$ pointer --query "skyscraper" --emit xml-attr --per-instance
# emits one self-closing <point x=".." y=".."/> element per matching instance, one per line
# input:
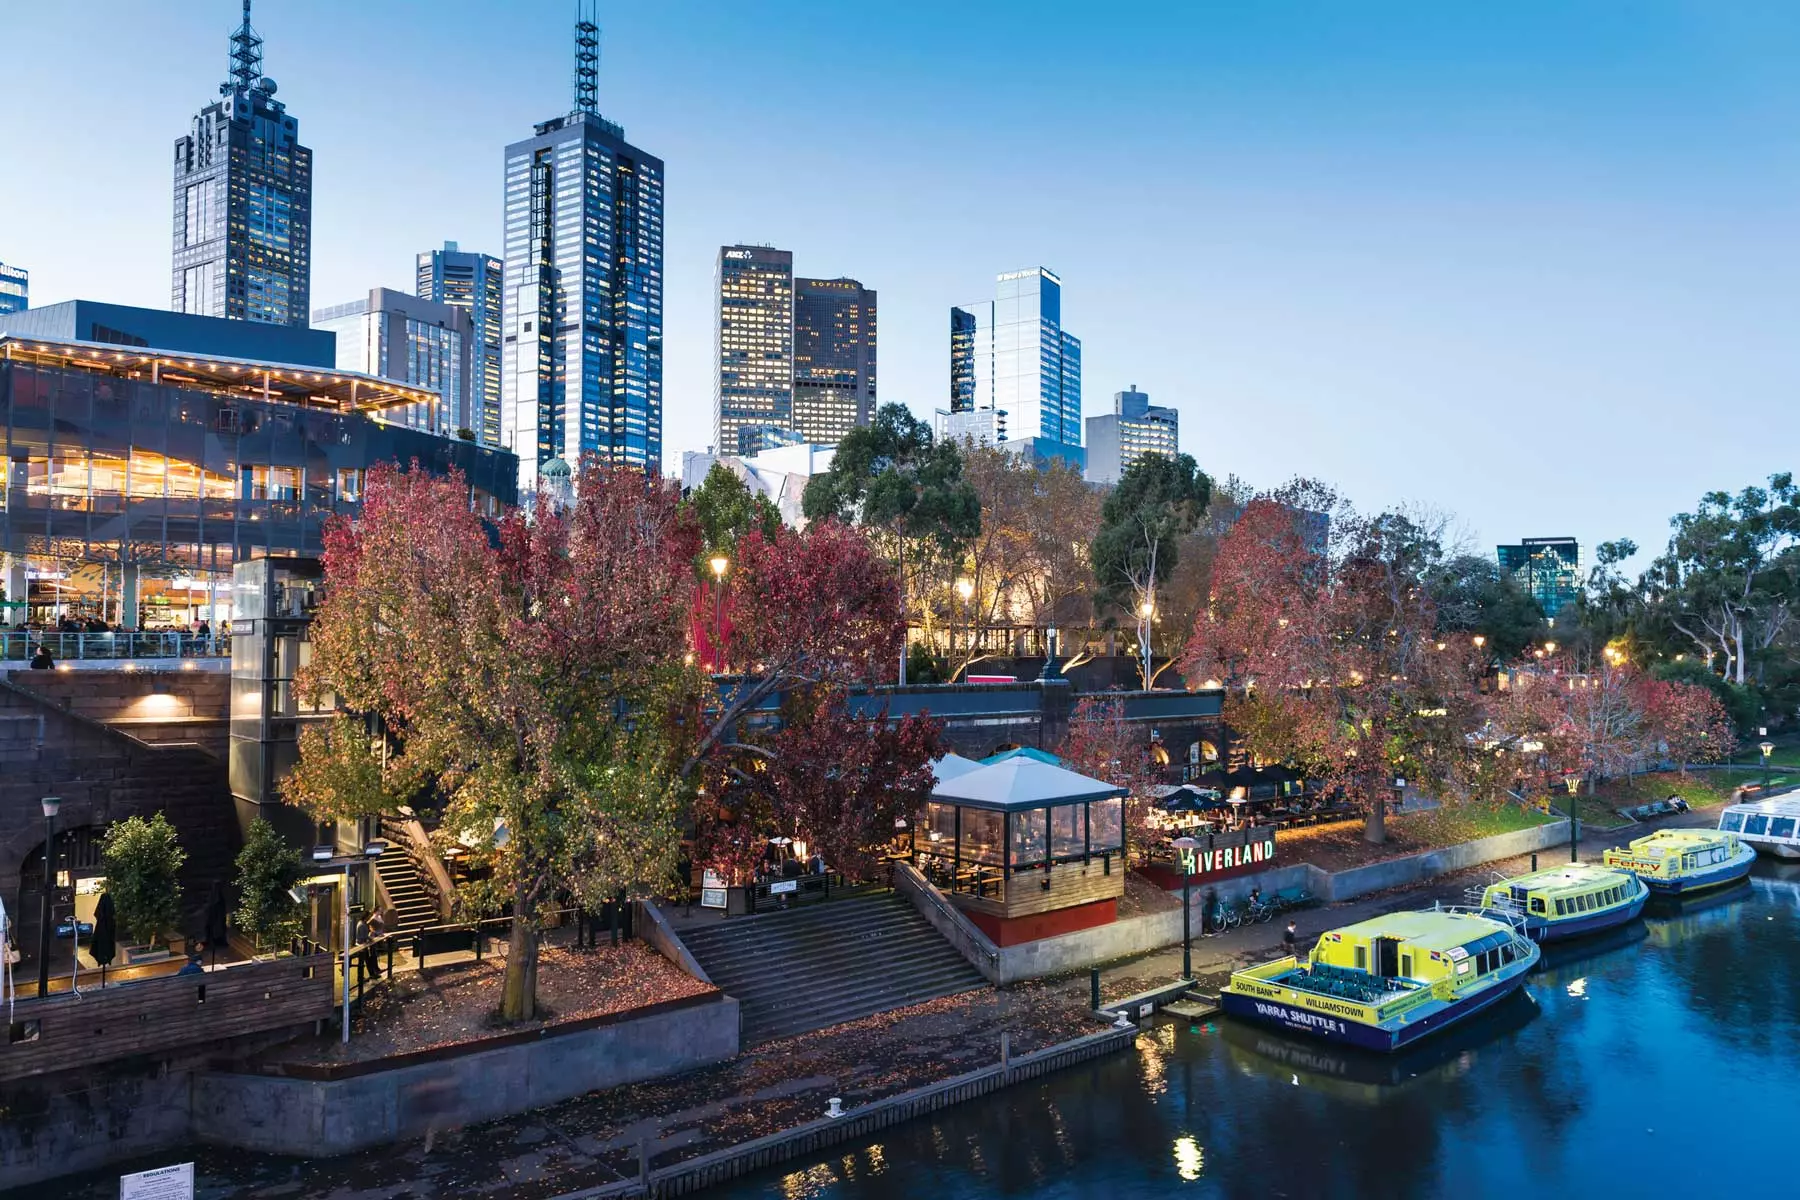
<point x="753" y="346"/>
<point x="1015" y="373"/>
<point x="1135" y="427"/>
<point x="471" y="282"/>
<point x="834" y="358"/>
<point x="581" y="339"/>
<point x="1548" y="568"/>
<point x="400" y="337"/>
<point x="15" y="289"/>
<point x="243" y="202"/>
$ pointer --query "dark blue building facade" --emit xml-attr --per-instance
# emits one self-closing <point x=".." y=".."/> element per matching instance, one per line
<point x="123" y="325"/>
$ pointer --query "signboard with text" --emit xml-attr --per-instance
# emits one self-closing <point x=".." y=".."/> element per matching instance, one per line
<point x="164" y="1183"/>
<point x="1222" y="854"/>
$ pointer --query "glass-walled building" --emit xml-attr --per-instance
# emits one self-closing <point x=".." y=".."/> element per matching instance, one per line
<point x="834" y="359"/>
<point x="470" y="281"/>
<point x="181" y="465"/>
<point x="409" y="340"/>
<point x="1015" y="372"/>
<point x="15" y="289"/>
<point x="1548" y="568"/>
<point x="753" y="346"/>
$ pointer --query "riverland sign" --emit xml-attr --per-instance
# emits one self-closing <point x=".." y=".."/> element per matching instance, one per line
<point x="1224" y="854"/>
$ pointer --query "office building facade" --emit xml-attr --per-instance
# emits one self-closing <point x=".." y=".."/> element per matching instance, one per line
<point x="15" y="289"/>
<point x="121" y="325"/>
<point x="581" y="349"/>
<point x="472" y="282"/>
<point x="400" y="337"/>
<point x="753" y="346"/>
<point x="1133" y="429"/>
<point x="1548" y="568"/>
<point x="243" y="202"/>
<point x="834" y="359"/>
<point x="1015" y="372"/>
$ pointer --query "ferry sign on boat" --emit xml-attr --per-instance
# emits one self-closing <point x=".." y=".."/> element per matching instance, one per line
<point x="1771" y="826"/>
<point x="1568" y="901"/>
<point x="1386" y="982"/>
<point x="1677" y="862"/>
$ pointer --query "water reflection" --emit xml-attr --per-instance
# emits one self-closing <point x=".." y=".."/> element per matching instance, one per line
<point x="1632" y="1046"/>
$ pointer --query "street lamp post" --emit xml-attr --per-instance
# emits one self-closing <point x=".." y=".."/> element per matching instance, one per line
<point x="325" y="856"/>
<point x="1185" y="847"/>
<point x="51" y="804"/>
<point x="1574" y="785"/>
<point x="720" y="564"/>
<point x="1146" y="614"/>
<point x="1767" y="749"/>
<point x="965" y="588"/>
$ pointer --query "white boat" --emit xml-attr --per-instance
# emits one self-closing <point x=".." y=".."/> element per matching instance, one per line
<point x="1772" y="826"/>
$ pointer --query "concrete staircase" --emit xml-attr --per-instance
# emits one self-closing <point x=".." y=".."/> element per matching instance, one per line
<point x="411" y="901"/>
<point x="827" y="963"/>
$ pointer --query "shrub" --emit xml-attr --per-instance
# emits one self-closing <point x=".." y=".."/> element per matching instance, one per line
<point x="142" y="860"/>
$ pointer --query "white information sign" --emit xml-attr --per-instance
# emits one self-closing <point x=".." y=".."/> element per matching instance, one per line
<point x="784" y="887"/>
<point x="712" y="897"/>
<point x="164" y="1183"/>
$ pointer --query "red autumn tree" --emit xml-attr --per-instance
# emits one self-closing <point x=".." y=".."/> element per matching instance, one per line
<point x="1102" y="745"/>
<point x="1331" y="657"/>
<point x="1689" y="721"/>
<point x="529" y="681"/>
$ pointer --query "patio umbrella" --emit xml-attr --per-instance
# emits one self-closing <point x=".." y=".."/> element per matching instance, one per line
<point x="105" y="943"/>
<point x="216" y="929"/>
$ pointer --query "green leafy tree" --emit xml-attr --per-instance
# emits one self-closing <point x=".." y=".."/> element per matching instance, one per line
<point x="725" y="509"/>
<point x="1134" y="552"/>
<point x="908" y="491"/>
<point x="1475" y="598"/>
<point x="143" y="859"/>
<point x="267" y="870"/>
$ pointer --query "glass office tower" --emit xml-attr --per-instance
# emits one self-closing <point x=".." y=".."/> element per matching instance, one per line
<point x="409" y="340"/>
<point x="470" y="281"/>
<point x="581" y="336"/>
<point x="834" y="358"/>
<point x="1015" y="373"/>
<point x="753" y="346"/>
<point x="15" y="289"/>
<point x="243" y="202"/>
<point x="1548" y="568"/>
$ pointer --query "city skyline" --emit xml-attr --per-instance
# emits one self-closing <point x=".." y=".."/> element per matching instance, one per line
<point x="1397" y="231"/>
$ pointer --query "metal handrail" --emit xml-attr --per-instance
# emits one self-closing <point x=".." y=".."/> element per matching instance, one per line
<point x="19" y="645"/>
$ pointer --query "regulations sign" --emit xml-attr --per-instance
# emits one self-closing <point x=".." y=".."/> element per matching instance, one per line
<point x="164" y="1183"/>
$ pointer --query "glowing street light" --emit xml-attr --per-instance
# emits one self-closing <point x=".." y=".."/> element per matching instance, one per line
<point x="720" y="564"/>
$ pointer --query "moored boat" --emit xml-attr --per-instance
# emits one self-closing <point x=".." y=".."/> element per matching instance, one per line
<point x="1386" y="982"/>
<point x="1771" y="826"/>
<point x="1678" y="862"/>
<point x="1567" y="901"/>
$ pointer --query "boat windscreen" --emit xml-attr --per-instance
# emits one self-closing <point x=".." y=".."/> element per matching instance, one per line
<point x="1733" y="821"/>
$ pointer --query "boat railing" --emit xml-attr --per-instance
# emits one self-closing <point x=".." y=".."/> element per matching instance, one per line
<point x="1510" y="914"/>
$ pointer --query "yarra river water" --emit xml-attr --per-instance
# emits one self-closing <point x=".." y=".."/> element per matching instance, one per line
<point x="1661" y="1060"/>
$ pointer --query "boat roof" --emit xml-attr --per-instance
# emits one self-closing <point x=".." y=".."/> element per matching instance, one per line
<point x="1694" y="838"/>
<point x="1432" y="930"/>
<point x="1570" y="875"/>
<point x="1787" y="806"/>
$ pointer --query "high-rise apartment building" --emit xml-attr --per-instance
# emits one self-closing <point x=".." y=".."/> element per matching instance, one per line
<point x="753" y="346"/>
<point x="1015" y="373"/>
<point x="15" y="289"/>
<point x="472" y="282"/>
<point x="1135" y="427"/>
<point x="581" y="336"/>
<point x="400" y="337"/>
<point x="834" y="359"/>
<point x="1548" y="568"/>
<point x="243" y="202"/>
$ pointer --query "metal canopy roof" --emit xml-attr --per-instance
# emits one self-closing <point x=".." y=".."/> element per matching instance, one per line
<point x="310" y="387"/>
<point x="952" y="766"/>
<point x="1022" y="782"/>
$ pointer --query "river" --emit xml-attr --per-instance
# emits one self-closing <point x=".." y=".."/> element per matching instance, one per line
<point x="1662" y="1060"/>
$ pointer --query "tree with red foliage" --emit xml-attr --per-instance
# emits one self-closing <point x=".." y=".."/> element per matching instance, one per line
<point x="1689" y="721"/>
<point x="532" y="683"/>
<point x="1102" y="745"/>
<point x="1331" y="658"/>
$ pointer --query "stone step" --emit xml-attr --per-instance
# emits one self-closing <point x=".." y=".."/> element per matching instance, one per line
<point x="824" y="956"/>
<point x="783" y="979"/>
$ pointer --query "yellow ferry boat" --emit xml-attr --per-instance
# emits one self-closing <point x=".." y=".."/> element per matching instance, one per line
<point x="1677" y="862"/>
<point x="1567" y="901"/>
<point x="1386" y="982"/>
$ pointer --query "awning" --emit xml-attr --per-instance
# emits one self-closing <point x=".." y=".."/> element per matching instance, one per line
<point x="1022" y="782"/>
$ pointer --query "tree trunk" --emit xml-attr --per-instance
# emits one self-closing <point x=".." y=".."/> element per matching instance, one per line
<point x="1375" y="828"/>
<point x="518" y="999"/>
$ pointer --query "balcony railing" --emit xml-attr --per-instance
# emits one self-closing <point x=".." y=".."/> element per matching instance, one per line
<point x="18" y="646"/>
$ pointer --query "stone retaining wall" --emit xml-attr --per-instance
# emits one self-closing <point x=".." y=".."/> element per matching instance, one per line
<point x="314" y="1118"/>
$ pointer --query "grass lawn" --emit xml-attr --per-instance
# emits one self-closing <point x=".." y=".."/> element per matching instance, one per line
<point x="1699" y="788"/>
<point x="1340" y="845"/>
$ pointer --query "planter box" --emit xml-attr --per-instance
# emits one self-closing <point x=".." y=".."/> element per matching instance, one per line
<point x="137" y="956"/>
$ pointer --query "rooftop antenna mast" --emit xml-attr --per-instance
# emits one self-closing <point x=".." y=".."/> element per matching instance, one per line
<point x="246" y="56"/>
<point x="587" y="56"/>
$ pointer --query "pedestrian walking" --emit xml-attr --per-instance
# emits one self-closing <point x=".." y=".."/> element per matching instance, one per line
<point x="1289" y="939"/>
<point x="368" y="933"/>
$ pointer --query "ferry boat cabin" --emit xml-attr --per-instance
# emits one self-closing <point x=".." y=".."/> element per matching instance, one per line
<point x="1568" y="901"/>
<point x="1772" y="826"/>
<point x="1679" y="861"/>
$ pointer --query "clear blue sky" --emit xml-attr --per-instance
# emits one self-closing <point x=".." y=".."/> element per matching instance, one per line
<point x="1534" y="262"/>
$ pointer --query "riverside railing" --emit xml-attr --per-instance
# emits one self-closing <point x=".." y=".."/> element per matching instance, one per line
<point x="17" y="645"/>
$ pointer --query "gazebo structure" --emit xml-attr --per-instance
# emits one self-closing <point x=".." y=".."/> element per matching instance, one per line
<point x="1025" y="847"/>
